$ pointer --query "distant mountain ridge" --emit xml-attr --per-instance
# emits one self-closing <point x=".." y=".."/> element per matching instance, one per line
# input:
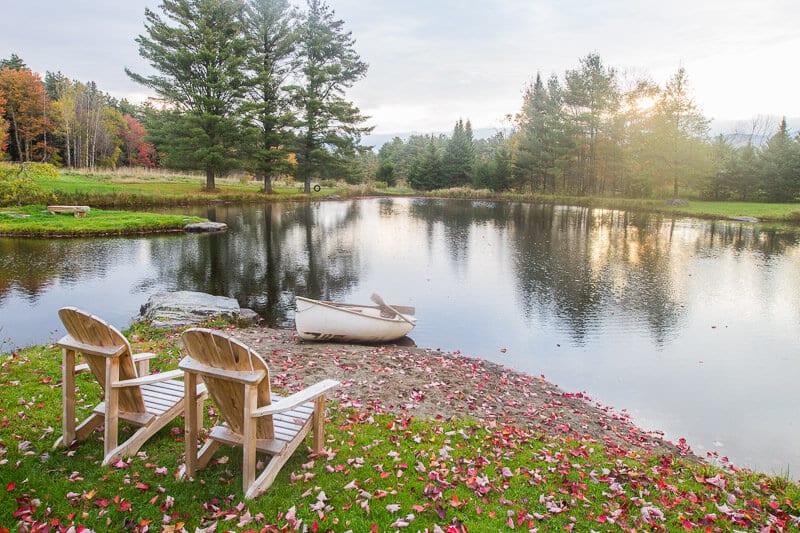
<point x="758" y="129"/>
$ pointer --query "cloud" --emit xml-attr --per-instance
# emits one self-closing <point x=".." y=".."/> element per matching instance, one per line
<point x="435" y="61"/>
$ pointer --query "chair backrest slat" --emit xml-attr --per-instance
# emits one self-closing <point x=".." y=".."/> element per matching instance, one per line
<point x="215" y="349"/>
<point x="89" y="329"/>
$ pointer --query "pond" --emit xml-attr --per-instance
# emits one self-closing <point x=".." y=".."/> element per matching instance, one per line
<point x="691" y="327"/>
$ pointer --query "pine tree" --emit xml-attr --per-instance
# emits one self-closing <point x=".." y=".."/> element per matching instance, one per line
<point x="459" y="156"/>
<point x="329" y="125"/>
<point x="425" y="172"/>
<point x="779" y="171"/>
<point x="271" y="27"/>
<point x="199" y="52"/>
<point x="681" y="132"/>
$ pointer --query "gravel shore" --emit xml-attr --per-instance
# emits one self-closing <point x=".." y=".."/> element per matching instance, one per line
<point x="424" y="383"/>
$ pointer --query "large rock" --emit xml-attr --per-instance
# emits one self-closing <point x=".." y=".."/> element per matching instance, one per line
<point x="168" y="310"/>
<point x="205" y="227"/>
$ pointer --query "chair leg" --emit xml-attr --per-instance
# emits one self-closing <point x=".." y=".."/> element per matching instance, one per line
<point x="319" y="424"/>
<point x="268" y="475"/>
<point x="67" y="397"/>
<point x="249" y="437"/>
<point x="87" y="426"/>
<point x="190" y="422"/>
<point x="206" y="453"/>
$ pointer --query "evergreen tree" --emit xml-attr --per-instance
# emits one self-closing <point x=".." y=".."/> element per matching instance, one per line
<point x="459" y="156"/>
<point x="199" y="52"/>
<point x="779" y="171"/>
<point x="272" y="34"/>
<point x="329" y="125"/>
<point x="14" y="63"/>
<point x="542" y="143"/>
<point x="425" y="172"/>
<point x="532" y="158"/>
<point x="592" y="96"/>
<point x="681" y="132"/>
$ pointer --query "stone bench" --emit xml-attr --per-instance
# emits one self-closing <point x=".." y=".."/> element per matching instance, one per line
<point x="78" y="210"/>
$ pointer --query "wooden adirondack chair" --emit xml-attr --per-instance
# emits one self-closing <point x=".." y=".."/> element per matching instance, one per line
<point x="255" y="419"/>
<point x="147" y="401"/>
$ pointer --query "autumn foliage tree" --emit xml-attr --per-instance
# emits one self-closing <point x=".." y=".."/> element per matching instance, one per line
<point x="26" y="110"/>
<point x="137" y="151"/>
<point x="3" y="126"/>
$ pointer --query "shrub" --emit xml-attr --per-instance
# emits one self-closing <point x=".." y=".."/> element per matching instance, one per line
<point x="18" y="187"/>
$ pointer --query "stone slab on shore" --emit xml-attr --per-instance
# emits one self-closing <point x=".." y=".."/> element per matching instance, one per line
<point x="205" y="227"/>
<point x="169" y="310"/>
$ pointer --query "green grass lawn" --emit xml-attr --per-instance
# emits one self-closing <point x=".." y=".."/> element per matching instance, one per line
<point x="380" y="472"/>
<point x="36" y="221"/>
<point x="762" y="211"/>
<point x="124" y="190"/>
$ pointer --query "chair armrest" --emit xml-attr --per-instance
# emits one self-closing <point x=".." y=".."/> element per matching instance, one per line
<point x="106" y="351"/>
<point x="142" y="362"/>
<point x="146" y="380"/>
<point x="143" y="356"/>
<point x="83" y="367"/>
<point x="298" y="398"/>
<point x="252" y="377"/>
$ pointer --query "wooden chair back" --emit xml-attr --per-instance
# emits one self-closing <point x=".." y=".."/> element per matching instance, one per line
<point x="93" y="331"/>
<point x="223" y="353"/>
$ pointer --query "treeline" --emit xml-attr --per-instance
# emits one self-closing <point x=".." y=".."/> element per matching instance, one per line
<point x="593" y="132"/>
<point x="259" y="85"/>
<point x="242" y="84"/>
<point x="66" y="122"/>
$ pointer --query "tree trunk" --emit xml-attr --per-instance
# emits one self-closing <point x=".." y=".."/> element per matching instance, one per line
<point x="267" y="184"/>
<point x="210" y="180"/>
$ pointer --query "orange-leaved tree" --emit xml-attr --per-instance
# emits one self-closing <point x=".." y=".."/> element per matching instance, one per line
<point x="27" y="112"/>
<point x="3" y="126"/>
<point x="138" y="152"/>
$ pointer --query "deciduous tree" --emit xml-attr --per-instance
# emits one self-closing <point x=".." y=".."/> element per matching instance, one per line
<point x="137" y="150"/>
<point x="26" y="112"/>
<point x="3" y="126"/>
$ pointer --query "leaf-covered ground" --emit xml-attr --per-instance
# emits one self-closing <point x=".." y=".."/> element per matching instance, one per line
<point x="417" y="440"/>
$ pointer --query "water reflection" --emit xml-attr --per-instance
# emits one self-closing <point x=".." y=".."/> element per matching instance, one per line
<point x="671" y="318"/>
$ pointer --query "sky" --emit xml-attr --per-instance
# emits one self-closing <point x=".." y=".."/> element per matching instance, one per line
<point x="433" y="62"/>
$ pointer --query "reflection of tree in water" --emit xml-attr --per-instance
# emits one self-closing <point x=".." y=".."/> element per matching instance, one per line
<point x="584" y="265"/>
<point x="31" y="266"/>
<point x="269" y="254"/>
<point x="771" y="242"/>
<point x="457" y="218"/>
<point x="580" y="265"/>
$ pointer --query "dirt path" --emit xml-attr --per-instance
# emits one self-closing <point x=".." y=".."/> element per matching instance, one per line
<point x="429" y="383"/>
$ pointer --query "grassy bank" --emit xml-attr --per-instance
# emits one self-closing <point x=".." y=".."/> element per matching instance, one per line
<point x="127" y="188"/>
<point x="122" y="189"/>
<point x="381" y="472"/>
<point x="36" y="221"/>
<point x="768" y="212"/>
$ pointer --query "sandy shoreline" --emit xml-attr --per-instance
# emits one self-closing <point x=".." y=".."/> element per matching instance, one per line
<point x="425" y="383"/>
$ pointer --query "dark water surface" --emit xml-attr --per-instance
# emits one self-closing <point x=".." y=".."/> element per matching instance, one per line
<point x="691" y="326"/>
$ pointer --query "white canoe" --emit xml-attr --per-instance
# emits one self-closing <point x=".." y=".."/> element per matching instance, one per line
<point x="330" y="321"/>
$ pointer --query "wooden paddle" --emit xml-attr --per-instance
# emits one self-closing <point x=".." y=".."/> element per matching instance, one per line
<point x="378" y="300"/>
